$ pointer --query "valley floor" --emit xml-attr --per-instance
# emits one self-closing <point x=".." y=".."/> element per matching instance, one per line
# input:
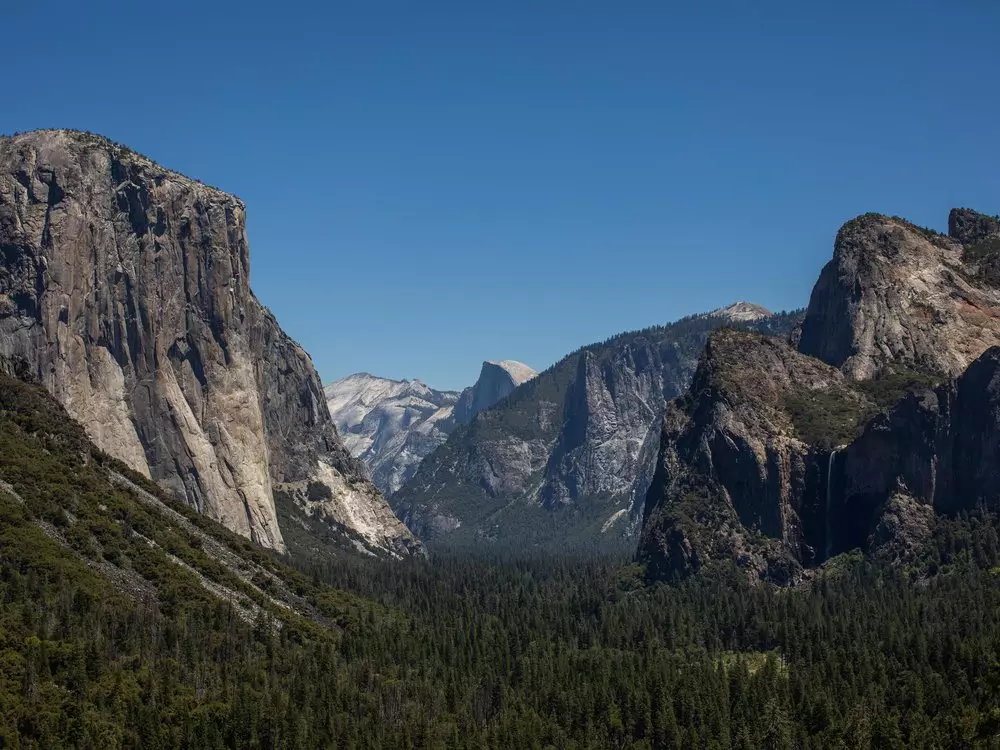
<point x="470" y="652"/>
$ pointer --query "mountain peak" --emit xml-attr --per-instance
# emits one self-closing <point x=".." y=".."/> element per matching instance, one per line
<point x="518" y="371"/>
<point x="861" y="321"/>
<point x="741" y="311"/>
<point x="51" y="146"/>
<point x="167" y="259"/>
<point x="389" y="424"/>
<point x="497" y="380"/>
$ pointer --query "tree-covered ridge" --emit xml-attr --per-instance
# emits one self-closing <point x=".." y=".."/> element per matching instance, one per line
<point x="493" y="480"/>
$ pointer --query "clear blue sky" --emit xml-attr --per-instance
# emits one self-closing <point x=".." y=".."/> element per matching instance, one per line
<point x="430" y="184"/>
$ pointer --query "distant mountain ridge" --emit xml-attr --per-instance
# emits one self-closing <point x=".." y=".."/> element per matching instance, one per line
<point x="391" y="425"/>
<point x="566" y="458"/>
<point x="741" y="312"/>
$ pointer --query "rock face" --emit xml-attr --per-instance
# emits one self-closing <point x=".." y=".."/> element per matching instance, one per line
<point x="895" y="294"/>
<point x="749" y="472"/>
<point x="391" y="425"/>
<point x="497" y="380"/>
<point x="127" y="288"/>
<point x="565" y="460"/>
<point x="778" y="461"/>
<point x="742" y="467"/>
<point x="741" y="312"/>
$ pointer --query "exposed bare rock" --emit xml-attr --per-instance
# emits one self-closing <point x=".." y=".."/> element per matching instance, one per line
<point x="565" y="459"/>
<point x="971" y="227"/>
<point x="776" y="461"/>
<point x="391" y="425"/>
<point x="738" y="477"/>
<point x="126" y="286"/>
<point x="497" y="380"/>
<point x="902" y="529"/>
<point x="898" y="295"/>
<point x="741" y="312"/>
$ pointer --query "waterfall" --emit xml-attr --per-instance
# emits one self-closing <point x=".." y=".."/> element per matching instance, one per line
<point x="829" y="485"/>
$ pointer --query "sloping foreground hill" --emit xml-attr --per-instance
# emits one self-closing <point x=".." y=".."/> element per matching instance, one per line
<point x="128" y="619"/>
<point x="564" y="461"/>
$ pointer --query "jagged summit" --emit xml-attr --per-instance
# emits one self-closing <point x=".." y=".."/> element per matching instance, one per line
<point x="566" y="458"/>
<point x="391" y="425"/>
<point x="887" y="413"/>
<point x="364" y="375"/>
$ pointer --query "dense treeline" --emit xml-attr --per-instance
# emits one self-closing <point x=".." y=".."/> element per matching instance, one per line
<point x="519" y="653"/>
<point x="112" y="635"/>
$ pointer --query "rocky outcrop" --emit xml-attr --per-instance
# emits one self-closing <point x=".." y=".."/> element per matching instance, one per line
<point x="497" y="380"/>
<point x="778" y="461"/>
<point x="939" y="445"/>
<point x="391" y="425"/>
<point x="971" y="227"/>
<point x="126" y="286"/>
<point x="741" y="312"/>
<point x="741" y="473"/>
<point x="566" y="459"/>
<point x="898" y="295"/>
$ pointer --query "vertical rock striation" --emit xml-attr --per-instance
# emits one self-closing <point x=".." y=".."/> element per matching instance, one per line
<point x="888" y="413"/>
<point x="127" y="288"/>
<point x="566" y="459"/>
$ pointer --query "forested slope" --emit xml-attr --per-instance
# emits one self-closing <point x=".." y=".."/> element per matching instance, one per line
<point x="107" y="641"/>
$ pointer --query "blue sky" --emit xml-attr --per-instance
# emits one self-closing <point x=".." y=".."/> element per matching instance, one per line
<point x="430" y="184"/>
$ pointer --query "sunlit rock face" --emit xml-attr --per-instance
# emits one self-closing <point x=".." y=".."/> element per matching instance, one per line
<point x="896" y="294"/>
<point x="564" y="460"/>
<point x="391" y="425"/>
<point x="886" y="415"/>
<point x="127" y="286"/>
<point x="497" y="380"/>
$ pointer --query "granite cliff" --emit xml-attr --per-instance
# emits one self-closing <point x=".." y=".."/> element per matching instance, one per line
<point x="885" y="416"/>
<point x="497" y="380"/>
<point x="392" y="425"/>
<point x="896" y="294"/>
<point x="126" y="287"/>
<point x="566" y="458"/>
